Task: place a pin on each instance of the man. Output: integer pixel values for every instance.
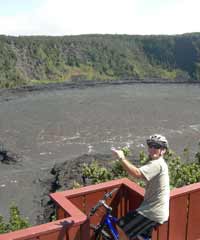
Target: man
(154, 209)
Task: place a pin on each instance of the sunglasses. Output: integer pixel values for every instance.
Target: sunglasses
(154, 145)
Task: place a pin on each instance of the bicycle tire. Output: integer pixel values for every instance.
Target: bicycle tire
(102, 234)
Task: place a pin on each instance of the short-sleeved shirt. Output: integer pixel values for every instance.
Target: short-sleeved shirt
(155, 205)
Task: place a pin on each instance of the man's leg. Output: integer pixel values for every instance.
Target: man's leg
(134, 224)
(122, 235)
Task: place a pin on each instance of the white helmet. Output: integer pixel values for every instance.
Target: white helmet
(158, 139)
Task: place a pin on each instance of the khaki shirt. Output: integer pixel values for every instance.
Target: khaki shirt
(156, 199)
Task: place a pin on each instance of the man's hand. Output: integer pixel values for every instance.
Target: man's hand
(129, 167)
(118, 153)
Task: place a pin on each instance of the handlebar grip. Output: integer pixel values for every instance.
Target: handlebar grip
(109, 194)
(94, 209)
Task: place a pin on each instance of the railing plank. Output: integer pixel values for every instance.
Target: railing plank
(78, 202)
(162, 232)
(194, 216)
(56, 228)
(74, 233)
(92, 199)
(60, 213)
(154, 235)
(134, 200)
(54, 236)
(178, 217)
(127, 200)
(116, 203)
(85, 230)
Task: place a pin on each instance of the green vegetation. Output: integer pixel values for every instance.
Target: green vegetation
(15, 222)
(35, 60)
(97, 173)
(181, 174)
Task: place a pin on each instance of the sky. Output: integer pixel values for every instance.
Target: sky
(75, 17)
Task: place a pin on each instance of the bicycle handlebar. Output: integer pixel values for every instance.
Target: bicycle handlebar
(103, 203)
(109, 194)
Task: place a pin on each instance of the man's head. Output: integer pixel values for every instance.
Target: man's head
(157, 146)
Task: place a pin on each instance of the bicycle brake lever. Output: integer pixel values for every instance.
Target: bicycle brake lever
(109, 194)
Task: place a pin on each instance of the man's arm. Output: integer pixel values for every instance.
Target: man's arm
(129, 167)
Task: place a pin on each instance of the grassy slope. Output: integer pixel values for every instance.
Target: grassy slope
(33, 60)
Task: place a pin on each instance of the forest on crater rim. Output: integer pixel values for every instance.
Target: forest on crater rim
(32, 60)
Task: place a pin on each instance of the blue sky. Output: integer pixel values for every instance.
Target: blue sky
(72, 17)
(15, 7)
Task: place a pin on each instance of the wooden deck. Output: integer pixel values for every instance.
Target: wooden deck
(73, 207)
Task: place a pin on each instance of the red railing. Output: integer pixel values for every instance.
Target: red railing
(184, 222)
(73, 207)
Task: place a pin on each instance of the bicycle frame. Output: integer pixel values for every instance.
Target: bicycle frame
(108, 221)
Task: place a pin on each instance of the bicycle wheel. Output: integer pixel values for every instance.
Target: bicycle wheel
(102, 233)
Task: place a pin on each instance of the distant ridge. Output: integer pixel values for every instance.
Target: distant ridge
(36, 60)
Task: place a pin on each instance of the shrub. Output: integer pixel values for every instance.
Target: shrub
(15, 222)
(181, 174)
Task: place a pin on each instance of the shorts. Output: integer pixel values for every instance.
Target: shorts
(134, 224)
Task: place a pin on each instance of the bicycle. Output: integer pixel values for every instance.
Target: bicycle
(107, 230)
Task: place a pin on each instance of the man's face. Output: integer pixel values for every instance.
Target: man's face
(155, 152)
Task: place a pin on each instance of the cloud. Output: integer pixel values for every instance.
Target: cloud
(88, 16)
(65, 17)
(180, 17)
(69, 17)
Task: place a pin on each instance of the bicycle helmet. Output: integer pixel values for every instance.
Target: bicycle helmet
(159, 140)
